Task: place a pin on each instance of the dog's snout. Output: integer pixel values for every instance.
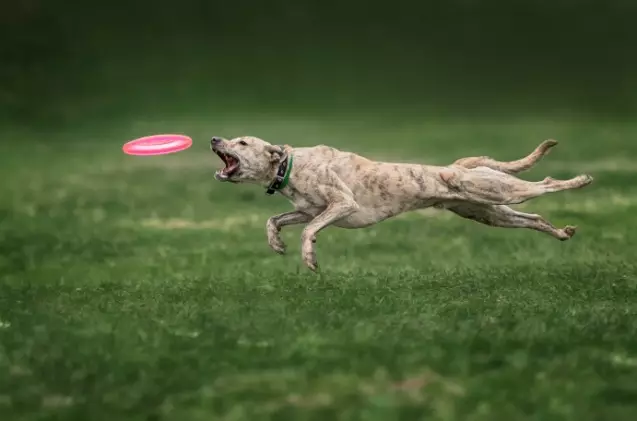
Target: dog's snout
(215, 140)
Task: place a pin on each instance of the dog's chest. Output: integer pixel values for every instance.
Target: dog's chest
(304, 202)
(363, 217)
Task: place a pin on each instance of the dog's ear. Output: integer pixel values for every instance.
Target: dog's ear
(275, 152)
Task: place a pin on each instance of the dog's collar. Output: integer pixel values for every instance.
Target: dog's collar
(282, 177)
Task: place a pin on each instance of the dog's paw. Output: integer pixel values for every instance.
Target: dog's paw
(274, 240)
(275, 243)
(309, 258)
(584, 180)
(566, 233)
(277, 246)
(569, 231)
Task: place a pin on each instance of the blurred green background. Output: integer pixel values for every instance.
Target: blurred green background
(67, 62)
(138, 288)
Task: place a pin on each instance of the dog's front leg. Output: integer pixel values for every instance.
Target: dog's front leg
(334, 212)
(275, 223)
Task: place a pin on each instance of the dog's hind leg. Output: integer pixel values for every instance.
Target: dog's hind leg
(275, 223)
(509, 167)
(505, 217)
(491, 187)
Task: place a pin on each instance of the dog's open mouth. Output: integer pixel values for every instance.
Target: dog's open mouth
(232, 164)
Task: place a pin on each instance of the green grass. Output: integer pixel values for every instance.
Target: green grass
(141, 289)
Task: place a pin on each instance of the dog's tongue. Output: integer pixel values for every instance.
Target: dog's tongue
(231, 164)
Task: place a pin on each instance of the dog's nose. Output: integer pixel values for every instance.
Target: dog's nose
(215, 140)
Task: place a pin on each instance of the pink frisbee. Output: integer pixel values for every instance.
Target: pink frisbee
(158, 144)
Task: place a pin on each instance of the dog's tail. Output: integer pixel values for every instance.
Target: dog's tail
(509, 167)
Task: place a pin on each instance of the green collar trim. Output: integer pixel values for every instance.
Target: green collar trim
(288, 170)
(282, 177)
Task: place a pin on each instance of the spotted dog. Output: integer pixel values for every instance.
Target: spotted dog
(328, 186)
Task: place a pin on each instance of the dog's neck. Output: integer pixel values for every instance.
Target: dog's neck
(281, 172)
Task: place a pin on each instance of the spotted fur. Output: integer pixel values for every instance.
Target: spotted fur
(331, 187)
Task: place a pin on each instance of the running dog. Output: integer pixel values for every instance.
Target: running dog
(328, 186)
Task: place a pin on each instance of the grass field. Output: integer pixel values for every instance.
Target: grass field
(141, 289)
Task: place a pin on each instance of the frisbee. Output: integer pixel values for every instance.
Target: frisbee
(159, 144)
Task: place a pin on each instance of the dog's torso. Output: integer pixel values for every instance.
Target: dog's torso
(381, 190)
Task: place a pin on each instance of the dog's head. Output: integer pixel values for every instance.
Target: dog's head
(247, 159)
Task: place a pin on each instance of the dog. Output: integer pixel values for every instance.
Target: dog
(331, 187)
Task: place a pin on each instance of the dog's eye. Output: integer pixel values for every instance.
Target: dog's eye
(243, 142)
